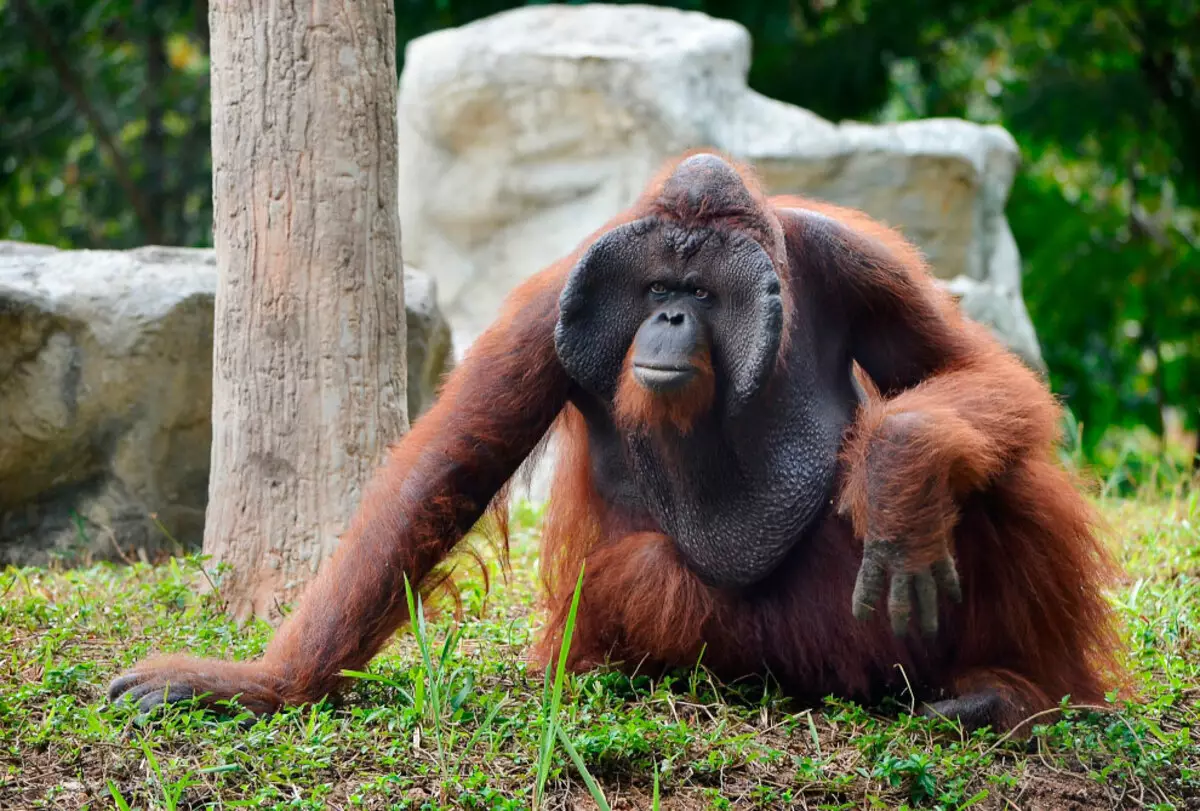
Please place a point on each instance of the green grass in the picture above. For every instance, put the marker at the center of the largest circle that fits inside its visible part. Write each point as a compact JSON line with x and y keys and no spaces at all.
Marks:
{"x":450,"y":716}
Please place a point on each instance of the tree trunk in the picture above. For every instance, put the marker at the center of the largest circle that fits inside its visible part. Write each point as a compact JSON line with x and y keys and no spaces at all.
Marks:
{"x":309,"y":357}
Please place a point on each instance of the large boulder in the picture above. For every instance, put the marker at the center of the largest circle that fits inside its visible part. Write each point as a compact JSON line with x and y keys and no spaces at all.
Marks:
{"x":430,"y":349}
{"x":523,"y":132}
{"x":106,"y":396}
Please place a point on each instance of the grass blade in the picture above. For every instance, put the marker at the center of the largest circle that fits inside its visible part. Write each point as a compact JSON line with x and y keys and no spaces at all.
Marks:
{"x":117,"y":796}
{"x":589,"y":781}
{"x":362,"y":675}
{"x":654,"y":802}
{"x":416,"y":613}
{"x":551,"y":718}
{"x":169,"y":796}
{"x":487,"y":722}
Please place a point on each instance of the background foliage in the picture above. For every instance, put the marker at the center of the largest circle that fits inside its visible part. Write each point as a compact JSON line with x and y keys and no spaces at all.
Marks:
{"x":104,"y":143}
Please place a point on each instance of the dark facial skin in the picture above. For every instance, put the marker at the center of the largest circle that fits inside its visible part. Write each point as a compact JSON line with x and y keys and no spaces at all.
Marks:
{"x":666,"y":344}
{"x":757,"y":471}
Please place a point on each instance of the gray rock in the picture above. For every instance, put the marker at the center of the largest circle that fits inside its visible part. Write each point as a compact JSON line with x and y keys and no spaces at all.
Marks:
{"x":106,"y":396}
{"x":430,"y":348}
{"x":523,"y":132}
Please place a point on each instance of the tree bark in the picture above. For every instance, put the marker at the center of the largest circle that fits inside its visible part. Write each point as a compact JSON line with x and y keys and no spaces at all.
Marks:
{"x":309,"y":357}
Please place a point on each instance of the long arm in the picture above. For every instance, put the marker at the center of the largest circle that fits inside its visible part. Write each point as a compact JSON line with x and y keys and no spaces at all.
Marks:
{"x":910,"y":461}
{"x":953,"y":410}
{"x":436,"y":483}
{"x":918,"y":350}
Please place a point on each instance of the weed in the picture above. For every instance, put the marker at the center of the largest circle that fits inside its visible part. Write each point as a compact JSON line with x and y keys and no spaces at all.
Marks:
{"x":449,"y":715}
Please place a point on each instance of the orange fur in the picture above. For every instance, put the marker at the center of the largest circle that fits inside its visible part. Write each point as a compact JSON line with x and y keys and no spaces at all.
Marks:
{"x":492,"y":413}
{"x":966,"y":459}
{"x":955,"y":448}
{"x":637,"y":595}
{"x":636,"y":408}
{"x":921,"y":451}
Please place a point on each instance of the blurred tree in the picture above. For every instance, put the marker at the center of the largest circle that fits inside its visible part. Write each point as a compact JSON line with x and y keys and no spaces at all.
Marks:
{"x":105,"y":135}
{"x":1104,"y":101}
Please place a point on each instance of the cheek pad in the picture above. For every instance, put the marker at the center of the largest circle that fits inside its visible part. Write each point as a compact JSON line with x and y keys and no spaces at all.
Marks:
{"x":749,"y":326}
{"x":600,"y":309}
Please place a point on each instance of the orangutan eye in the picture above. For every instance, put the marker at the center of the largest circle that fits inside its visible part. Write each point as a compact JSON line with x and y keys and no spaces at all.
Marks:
{"x":658,"y":288}
{"x":700,"y":293}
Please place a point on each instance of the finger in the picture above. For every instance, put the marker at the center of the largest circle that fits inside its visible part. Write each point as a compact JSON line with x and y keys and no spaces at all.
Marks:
{"x":142,"y":696}
{"x":152,"y":692}
{"x":900,"y":602}
{"x":927,"y":607}
{"x":168,"y":694}
{"x":119,"y":685}
{"x":868,"y":587}
{"x":945,"y":574}
{"x":134,"y":693}
{"x":146,"y":694}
